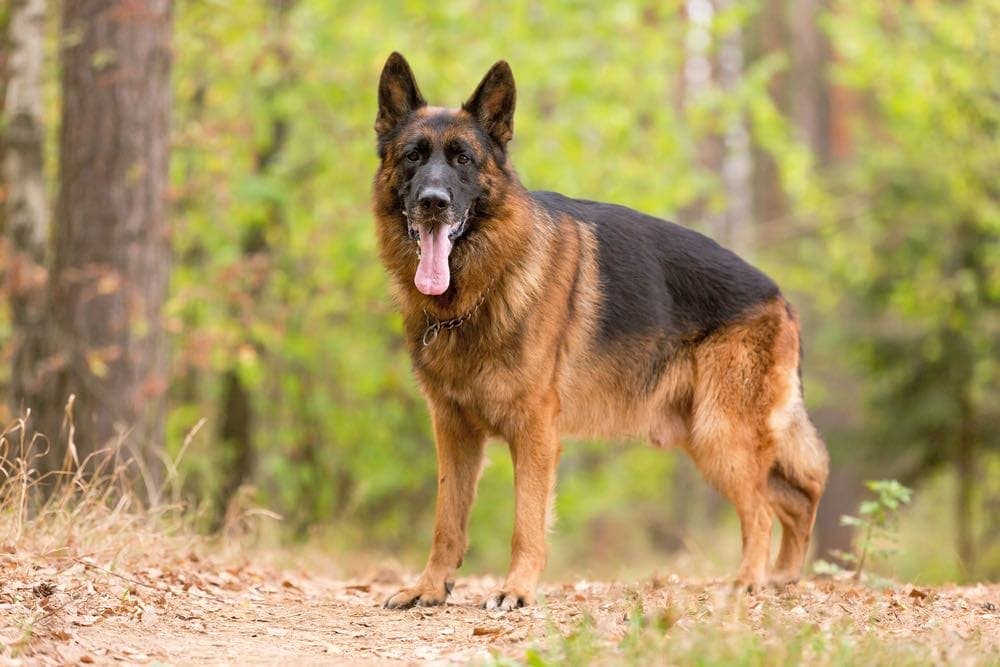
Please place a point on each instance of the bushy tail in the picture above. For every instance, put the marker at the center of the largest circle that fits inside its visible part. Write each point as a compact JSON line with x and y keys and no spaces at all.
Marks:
{"x":801,"y":460}
{"x":795,"y":485}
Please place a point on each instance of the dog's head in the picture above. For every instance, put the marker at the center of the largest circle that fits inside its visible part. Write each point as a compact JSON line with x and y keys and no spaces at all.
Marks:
{"x":441,"y":163}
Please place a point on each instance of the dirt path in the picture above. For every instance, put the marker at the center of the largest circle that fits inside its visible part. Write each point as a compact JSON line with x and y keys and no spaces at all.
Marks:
{"x":192,"y":613}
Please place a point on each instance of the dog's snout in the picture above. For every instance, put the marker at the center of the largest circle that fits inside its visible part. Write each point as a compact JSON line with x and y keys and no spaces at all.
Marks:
{"x":434,"y":199}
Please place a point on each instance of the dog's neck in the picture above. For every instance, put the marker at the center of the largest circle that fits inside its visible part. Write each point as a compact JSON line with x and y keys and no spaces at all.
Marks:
{"x":510,"y":241}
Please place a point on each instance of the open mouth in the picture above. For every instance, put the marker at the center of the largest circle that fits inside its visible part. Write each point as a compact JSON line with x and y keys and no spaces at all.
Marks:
{"x":435,"y":240}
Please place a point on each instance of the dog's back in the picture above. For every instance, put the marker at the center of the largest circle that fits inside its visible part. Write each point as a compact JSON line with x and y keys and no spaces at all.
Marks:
{"x":660,"y":277}
{"x":691,"y":346}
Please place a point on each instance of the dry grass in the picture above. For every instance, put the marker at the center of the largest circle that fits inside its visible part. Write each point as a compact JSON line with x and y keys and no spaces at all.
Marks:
{"x":89,"y":574}
{"x":78,"y":546}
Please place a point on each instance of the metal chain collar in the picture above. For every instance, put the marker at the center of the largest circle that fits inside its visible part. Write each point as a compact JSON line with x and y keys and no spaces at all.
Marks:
{"x":434,"y":327}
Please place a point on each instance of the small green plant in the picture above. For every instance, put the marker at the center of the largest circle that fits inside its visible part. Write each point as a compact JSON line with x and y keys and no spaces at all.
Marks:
{"x":877,"y":523}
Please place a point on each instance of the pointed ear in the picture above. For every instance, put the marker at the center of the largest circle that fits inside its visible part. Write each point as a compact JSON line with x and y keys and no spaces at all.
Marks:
{"x":493,"y":103}
{"x":398,"y":94}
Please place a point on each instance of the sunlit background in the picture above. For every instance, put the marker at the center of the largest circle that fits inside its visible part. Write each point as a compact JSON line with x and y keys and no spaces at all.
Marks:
{"x":848,"y":148}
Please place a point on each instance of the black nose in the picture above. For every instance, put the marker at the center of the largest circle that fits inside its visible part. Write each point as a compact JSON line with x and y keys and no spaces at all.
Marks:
{"x":434,"y":198}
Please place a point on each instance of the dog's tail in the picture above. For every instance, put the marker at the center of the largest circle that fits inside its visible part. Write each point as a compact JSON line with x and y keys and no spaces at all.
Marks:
{"x":801,"y":464}
{"x":797,"y":477}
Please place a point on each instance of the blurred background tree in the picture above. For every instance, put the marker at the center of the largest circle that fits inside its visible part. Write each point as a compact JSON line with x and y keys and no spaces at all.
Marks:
{"x":25,"y":204}
{"x":924,"y":257}
{"x":850,"y":149}
{"x":86,"y":299}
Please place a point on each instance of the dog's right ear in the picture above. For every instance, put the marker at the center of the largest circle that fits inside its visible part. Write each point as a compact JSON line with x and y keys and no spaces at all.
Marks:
{"x":398,"y":94}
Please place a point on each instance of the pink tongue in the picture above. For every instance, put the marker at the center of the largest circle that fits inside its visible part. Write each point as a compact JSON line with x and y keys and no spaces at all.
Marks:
{"x":432,"y":276}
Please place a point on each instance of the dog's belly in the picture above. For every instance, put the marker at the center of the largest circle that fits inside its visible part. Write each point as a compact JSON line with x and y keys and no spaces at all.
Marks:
{"x":595,"y":417}
{"x":607,"y":407}
{"x":643,"y":391}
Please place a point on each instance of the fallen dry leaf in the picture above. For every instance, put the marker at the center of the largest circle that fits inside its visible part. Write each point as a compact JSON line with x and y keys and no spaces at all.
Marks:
{"x":207,"y":613}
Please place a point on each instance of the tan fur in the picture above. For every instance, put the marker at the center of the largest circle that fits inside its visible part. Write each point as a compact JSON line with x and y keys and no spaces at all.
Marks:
{"x":528,"y":367}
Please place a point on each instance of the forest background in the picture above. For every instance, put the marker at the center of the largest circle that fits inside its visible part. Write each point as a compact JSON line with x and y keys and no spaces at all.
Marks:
{"x":188,"y":250}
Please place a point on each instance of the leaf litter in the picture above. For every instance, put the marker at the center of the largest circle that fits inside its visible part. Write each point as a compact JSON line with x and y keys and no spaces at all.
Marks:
{"x":184,"y":608}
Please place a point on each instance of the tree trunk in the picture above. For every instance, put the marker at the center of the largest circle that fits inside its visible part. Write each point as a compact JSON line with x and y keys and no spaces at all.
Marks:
{"x":111,"y":243}
{"x":966,"y":456}
{"x":235,"y":433}
{"x":737,"y":231}
{"x":963,"y":365}
{"x":810,"y":101}
{"x":26,"y":211}
{"x":843,"y":489}
{"x":767,"y":36}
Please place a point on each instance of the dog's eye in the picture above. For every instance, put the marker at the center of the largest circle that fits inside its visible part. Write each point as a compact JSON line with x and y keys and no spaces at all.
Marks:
{"x":463,"y":158}
{"x":413,"y":156}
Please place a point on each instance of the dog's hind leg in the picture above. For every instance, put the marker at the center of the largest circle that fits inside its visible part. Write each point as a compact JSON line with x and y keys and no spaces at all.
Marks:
{"x":728,"y":455}
{"x":746,"y":400}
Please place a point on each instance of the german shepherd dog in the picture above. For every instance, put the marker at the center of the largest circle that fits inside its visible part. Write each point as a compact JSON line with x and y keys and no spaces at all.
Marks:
{"x":530,"y":315}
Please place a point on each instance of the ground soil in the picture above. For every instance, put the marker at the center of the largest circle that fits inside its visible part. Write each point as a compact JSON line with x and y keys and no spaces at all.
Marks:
{"x":191,"y":611}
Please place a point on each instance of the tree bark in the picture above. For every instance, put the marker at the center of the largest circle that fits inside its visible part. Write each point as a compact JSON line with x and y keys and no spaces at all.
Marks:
{"x":111,"y":244}
{"x":967,"y":483}
{"x":737,"y":229}
{"x":26,"y":210}
{"x":810,"y":103}
{"x":843,"y":489}
{"x":963,"y":365}
{"x":767,"y":36}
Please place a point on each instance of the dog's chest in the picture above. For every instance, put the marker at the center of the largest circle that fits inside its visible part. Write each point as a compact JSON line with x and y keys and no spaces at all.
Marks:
{"x":487,"y":383}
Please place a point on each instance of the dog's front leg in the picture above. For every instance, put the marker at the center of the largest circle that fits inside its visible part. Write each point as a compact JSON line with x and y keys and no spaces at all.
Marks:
{"x":535,"y":451}
{"x":460,"y":445}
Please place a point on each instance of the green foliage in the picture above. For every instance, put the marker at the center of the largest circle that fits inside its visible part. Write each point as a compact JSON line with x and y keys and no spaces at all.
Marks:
{"x":922,"y":261}
{"x":652,"y":639}
{"x":889,"y":249}
{"x":877,"y":524}
{"x":920,"y":265}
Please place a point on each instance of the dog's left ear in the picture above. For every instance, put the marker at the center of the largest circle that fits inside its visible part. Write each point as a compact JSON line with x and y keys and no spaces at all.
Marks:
{"x":493,"y":103}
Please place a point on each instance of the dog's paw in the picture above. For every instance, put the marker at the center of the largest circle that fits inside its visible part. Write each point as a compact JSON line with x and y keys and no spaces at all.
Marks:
{"x":419,"y":596}
{"x":781,"y":580}
{"x":748,"y":585}
{"x":507,"y":598}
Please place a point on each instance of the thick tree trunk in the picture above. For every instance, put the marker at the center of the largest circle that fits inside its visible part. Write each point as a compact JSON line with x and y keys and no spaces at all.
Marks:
{"x":26,"y":210}
{"x":111,"y":243}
